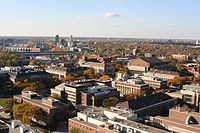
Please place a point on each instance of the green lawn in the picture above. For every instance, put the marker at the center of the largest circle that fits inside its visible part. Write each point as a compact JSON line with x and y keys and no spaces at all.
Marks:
{"x":1,"y":101}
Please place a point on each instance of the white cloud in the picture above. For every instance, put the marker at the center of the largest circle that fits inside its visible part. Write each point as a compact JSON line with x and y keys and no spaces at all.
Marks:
{"x":86,"y":18}
{"x":111,"y":14}
{"x":166,"y":13}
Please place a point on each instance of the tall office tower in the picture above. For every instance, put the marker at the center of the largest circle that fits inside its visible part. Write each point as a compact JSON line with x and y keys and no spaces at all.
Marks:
{"x":197,"y":42}
{"x":71,"y":39}
{"x":135,"y":51}
{"x":57,"y":39}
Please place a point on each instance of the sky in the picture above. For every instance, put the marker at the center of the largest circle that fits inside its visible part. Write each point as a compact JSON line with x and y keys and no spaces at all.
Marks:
{"x":174,"y":19}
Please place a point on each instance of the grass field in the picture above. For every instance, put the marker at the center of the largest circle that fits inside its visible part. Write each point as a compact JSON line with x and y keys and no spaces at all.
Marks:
{"x":1,"y":101}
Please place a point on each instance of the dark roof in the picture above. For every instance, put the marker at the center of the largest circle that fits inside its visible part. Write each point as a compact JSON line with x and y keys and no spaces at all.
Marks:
{"x":164,"y":72}
{"x":152,"y":60}
{"x":144,"y":101}
{"x":28,"y":74}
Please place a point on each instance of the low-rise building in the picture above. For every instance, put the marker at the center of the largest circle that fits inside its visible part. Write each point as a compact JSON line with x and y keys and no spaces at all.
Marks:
{"x":114,"y":120}
{"x":18,"y":127}
{"x":72,"y":90}
{"x":130,"y":86}
{"x":62,"y":72}
{"x":179,"y":121}
{"x":30,"y":73}
{"x":191,"y":94}
{"x":95,"y":95}
{"x":144,"y":64}
{"x":155,"y":82}
{"x":180,"y":57}
{"x":99,"y":66}
{"x":52,"y":107}
{"x":151,"y":105}
{"x":162,"y":74}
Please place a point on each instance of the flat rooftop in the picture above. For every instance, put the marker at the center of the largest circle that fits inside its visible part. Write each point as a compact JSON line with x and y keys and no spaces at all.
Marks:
{"x":37,"y":101}
{"x":140,"y":126}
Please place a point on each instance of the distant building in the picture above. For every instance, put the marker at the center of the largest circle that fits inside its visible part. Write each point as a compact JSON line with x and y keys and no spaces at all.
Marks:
{"x":114,"y":120}
{"x":130,"y":86}
{"x":197,"y":42}
{"x":155,"y":82}
{"x":57,"y":39}
{"x":194,"y":69}
{"x":151,"y":105}
{"x":162,"y":74}
{"x":26,"y":73}
{"x":72,"y":91}
{"x":180,"y":57}
{"x":99,"y":67}
{"x":148,"y":55}
{"x":62,"y":72}
{"x":51,"y":106}
{"x":179,"y":121}
{"x":71,"y":39}
{"x":144,"y":64}
{"x":135,"y":51}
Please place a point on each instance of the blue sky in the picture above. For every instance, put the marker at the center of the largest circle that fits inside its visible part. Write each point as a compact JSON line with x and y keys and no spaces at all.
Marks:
{"x":103,"y":18}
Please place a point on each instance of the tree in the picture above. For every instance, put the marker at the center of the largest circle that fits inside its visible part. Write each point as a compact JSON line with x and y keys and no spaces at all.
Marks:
{"x":68,"y":78}
{"x":105,"y":77}
{"x":18,"y":110}
{"x":8,"y":104}
{"x":90,"y":73}
{"x":177,"y":82}
{"x":35,"y":87}
{"x":111,"y":101}
{"x":28,"y":113}
{"x":197,"y":78}
{"x":34,"y":62}
{"x":33,"y":114}
{"x":118,"y":66}
{"x":135,"y":95}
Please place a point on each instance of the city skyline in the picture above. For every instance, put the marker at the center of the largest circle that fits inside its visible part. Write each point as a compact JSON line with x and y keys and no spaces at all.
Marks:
{"x":101,"y":18}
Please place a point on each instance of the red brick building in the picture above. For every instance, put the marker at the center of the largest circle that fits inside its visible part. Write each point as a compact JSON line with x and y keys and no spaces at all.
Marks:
{"x":52,"y":107}
{"x":179,"y":121}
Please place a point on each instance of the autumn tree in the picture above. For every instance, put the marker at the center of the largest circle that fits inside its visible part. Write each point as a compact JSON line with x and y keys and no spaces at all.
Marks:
{"x":111,"y":101}
{"x":18,"y":110}
{"x":34,"y":62}
{"x":35,"y":87}
{"x":90,"y":73}
{"x":8,"y":104}
{"x":105,"y":77}
{"x":27,"y":113}
{"x":135,"y":95}
{"x":177,"y":82}
{"x":118,"y":66}
{"x":33,"y":113}
{"x":68,"y":78}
